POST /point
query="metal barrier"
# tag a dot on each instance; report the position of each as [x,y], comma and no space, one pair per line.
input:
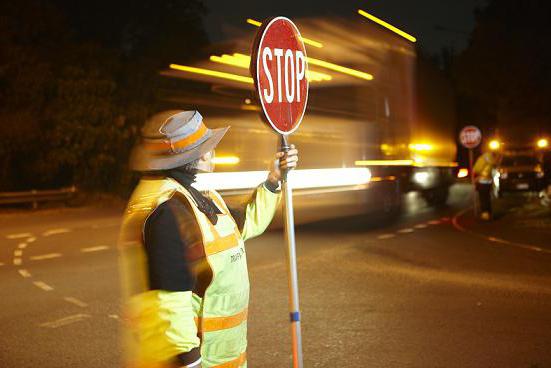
[36,196]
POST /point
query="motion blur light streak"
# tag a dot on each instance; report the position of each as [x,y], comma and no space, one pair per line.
[341,69]
[383,162]
[254,22]
[421,147]
[304,39]
[387,25]
[212,73]
[225,160]
[299,179]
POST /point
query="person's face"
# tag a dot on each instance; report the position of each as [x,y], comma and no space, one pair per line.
[206,162]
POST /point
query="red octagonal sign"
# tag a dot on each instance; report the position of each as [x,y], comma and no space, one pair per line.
[470,136]
[279,71]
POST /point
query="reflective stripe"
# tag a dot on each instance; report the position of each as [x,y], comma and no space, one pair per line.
[222,244]
[236,363]
[175,146]
[210,324]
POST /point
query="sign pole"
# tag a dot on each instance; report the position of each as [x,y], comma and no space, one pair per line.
[283,100]
[289,228]
[473,183]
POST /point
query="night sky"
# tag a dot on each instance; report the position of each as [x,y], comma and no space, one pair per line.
[419,18]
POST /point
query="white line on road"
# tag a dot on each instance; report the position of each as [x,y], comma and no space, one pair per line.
[434,222]
[406,230]
[23,272]
[75,301]
[458,226]
[55,231]
[17,253]
[45,256]
[42,285]
[22,245]
[94,249]
[65,321]
[420,226]
[17,261]
[18,236]
[386,236]
[31,239]
[114,316]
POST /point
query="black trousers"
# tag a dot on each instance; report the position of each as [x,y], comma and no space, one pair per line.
[485,197]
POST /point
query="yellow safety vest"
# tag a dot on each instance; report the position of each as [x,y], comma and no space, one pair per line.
[155,327]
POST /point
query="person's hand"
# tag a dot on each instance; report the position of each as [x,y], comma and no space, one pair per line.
[283,161]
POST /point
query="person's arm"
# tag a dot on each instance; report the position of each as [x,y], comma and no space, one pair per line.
[167,310]
[260,210]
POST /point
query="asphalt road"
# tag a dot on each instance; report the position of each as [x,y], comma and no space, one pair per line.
[434,289]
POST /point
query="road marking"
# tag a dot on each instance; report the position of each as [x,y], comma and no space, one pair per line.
[75,301]
[31,239]
[65,321]
[1,264]
[23,272]
[434,222]
[458,226]
[94,249]
[55,231]
[22,245]
[17,261]
[420,226]
[42,285]
[406,230]
[45,256]
[114,316]
[18,236]
[17,253]
[386,236]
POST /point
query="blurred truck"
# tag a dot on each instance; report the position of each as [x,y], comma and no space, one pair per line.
[379,121]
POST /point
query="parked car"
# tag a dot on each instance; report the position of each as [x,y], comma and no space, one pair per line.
[519,173]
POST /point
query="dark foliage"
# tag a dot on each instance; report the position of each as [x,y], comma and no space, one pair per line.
[78,78]
[504,76]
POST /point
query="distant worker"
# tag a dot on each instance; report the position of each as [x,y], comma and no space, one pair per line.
[184,268]
[483,171]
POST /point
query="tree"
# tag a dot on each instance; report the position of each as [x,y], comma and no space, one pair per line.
[503,77]
[79,79]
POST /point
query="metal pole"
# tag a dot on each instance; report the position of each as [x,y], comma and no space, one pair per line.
[475,202]
[289,227]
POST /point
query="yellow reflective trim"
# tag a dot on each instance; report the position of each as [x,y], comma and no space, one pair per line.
[236,363]
[210,324]
[221,244]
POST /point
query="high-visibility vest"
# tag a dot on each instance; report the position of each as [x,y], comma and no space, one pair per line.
[219,318]
[483,168]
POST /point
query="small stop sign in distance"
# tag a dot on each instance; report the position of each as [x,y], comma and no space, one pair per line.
[278,66]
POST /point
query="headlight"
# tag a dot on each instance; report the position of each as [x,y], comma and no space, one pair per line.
[540,174]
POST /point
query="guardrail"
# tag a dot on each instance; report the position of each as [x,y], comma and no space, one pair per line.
[36,196]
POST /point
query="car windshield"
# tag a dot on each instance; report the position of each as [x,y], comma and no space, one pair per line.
[519,161]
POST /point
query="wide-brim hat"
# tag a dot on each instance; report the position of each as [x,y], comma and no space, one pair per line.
[173,138]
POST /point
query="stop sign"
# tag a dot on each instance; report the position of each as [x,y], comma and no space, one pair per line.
[279,68]
[470,136]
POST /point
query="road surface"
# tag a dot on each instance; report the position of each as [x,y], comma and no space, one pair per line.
[434,289]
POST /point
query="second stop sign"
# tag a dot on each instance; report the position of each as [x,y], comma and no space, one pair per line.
[281,74]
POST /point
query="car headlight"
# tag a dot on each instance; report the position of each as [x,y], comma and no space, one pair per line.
[540,174]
